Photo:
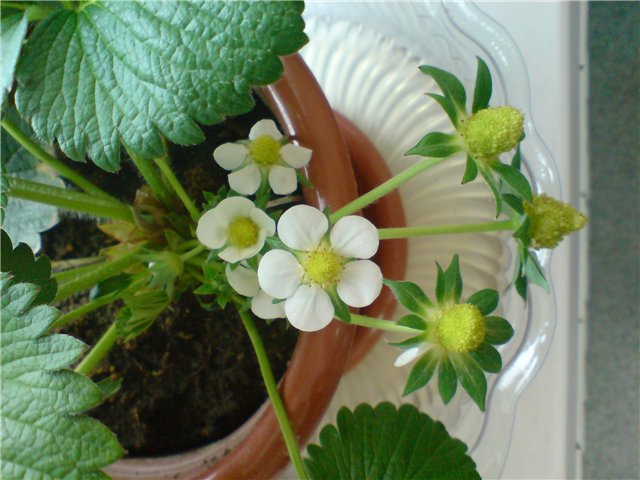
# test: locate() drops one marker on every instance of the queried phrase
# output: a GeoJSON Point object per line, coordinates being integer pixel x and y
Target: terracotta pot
{"type": "Point", "coordinates": [257, 450]}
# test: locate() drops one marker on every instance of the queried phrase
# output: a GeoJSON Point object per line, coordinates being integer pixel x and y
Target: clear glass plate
{"type": "Point", "coordinates": [365, 56]}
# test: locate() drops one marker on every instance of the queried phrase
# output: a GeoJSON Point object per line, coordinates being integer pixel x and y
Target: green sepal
{"type": "Point", "coordinates": [408, 342]}
{"type": "Point", "coordinates": [522, 233]}
{"type": "Point", "coordinates": [205, 289]}
{"type": "Point", "coordinates": [483, 87]}
{"type": "Point", "coordinates": [303, 180]}
{"type": "Point", "coordinates": [513, 202]}
{"type": "Point", "coordinates": [139, 312]}
{"type": "Point", "coordinates": [470, 170]}
{"type": "Point", "coordinates": [449, 282]}
{"type": "Point", "coordinates": [447, 380]}
{"type": "Point", "coordinates": [448, 106]}
{"type": "Point", "coordinates": [412, 321]}
{"type": "Point", "coordinates": [436, 145]}
{"type": "Point", "coordinates": [341, 309]}
{"type": "Point", "coordinates": [451, 87]}
{"type": "Point", "coordinates": [521, 285]}
{"type": "Point", "coordinates": [534, 272]}
{"type": "Point", "coordinates": [498, 331]}
{"type": "Point", "coordinates": [488, 178]}
{"type": "Point", "coordinates": [515, 179]}
{"type": "Point", "coordinates": [410, 296]}
{"type": "Point", "coordinates": [471, 378]}
{"type": "Point", "coordinates": [109, 387]}
{"type": "Point", "coordinates": [110, 286]}
{"type": "Point", "coordinates": [516, 161]}
{"type": "Point", "coordinates": [487, 357]}
{"type": "Point", "coordinates": [421, 372]}
{"type": "Point", "coordinates": [486, 300]}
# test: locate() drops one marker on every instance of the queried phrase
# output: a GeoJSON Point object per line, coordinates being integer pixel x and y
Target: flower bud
{"type": "Point", "coordinates": [551, 221]}
{"type": "Point", "coordinates": [492, 131]}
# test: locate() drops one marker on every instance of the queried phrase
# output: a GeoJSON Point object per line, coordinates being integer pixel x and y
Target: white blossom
{"type": "Point", "coordinates": [263, 158]}
{"type": "Point", "coordinates": [321, 263]}
{"type": "Point", "coordinates": [237, 226]}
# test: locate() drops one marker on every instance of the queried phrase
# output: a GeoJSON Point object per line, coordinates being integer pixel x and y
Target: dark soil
{"type": "Point", "coordinates": [192, 378]}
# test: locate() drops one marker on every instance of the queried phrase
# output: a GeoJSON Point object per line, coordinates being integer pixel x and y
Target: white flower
{"type": "Point", "coordinates": [409, 355]}
{"type": "Point", "coordinates": [263, 157]}
{"type": "Point", "coordinates": [245, 281]}
{"type": "Point", "coordinates": [320, 266]}
{"type": "Point", "coordinates": [238, 226]}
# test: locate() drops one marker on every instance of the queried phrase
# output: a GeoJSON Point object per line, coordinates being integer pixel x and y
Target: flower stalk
{"type": "Point", "coordinates": [37, 151]}
{"type": "Point", "coordinates": [408, 232]}
{"type": "Point", "coordinates": [276, 401]}
{"type": "Point", "coordinates": [97, 353]}
{"type": "Point", "coordinates": [168, 174]}
{"type": "Point", "coordinates": [384, 188]}
{"type": "Point", "coordinates": [152, 177]}
{"type": "Point", "coordinates": [69, 199]}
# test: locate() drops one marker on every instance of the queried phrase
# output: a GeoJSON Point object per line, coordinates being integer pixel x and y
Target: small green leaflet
{"type": "Point", "coordinates": [436, 145]}
{"type": "Point", "coordinates": [13, 29]}
{"type": "Point", "coordinates": [451, 87]}
{"type": "Point", "coordinates": [43, 435]}
{"type": "Point", "coordinates": [386, 442]}
{"type": "Point", "coordinates": [410, 296]}
{"type": "Point", "coordinates": [483, 87]}
{"type": "Point", "coordinates": [133, 72]}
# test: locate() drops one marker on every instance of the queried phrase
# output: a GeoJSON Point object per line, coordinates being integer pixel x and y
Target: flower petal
{"type": "Point", "coordinates": [243, 280]}
{"type": "Point", "coordinates": [302, 227]}
{"type": "Point", "coordinates": [262, 306]}
{"type": "Point", "coordinates": [265, 127]}
{"type": "Point", "coordinates": [354, 237]}
{"type": "Point", "coordinates": [282, 180]}
{"type": "Point", "coordinates": [246, 180]}
{"type": "Point", "coordinates": [309, 309]}
{"type": "Point", "coordinates": [295, 155]}
{"type": "Point", "coordinates": [230, 155]}
{"type": "Point", "coordinates": [360, 283]}
{"type": "Point", "coordinates": [263, 221]}
{"type": "Point", "coordinates": [234, 254]}
{"type": "Point", "coordinates": [409, 355]}
{"type": "Point", "coordinates": [234, 207]}
{"type": "Point", "coordinates": [279, 273]}
{"type": "Point", "coordinates": [212, 231]}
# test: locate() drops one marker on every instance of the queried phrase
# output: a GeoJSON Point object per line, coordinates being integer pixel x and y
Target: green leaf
{"type": "Point", "coordinates": [133, 72]}
{"type": "Point", "coordinates": [437, 145]}
{"type": "Point", "coordinates": [482, 90]}
{"type": "Point", "coordinates": [410, 296]}
{"type": "Point", "coordinates": [447, 380]}
{"type": "Point", "coordinates": [4, 199]}
{"type": "Point", "coordinates": [13, 29]}
{"type": "Point", "coordinates": [421, 372]}
{"type": "Point", "coordinates": [451, 87]}
{"type": "Point", "coordinates": [471, 378]}
{"type": "Point", "coordinates": [470, 170]}
{"type": "Point", "coordinates": [43, 435]}
{"type": "Point", "coordinates": [487, 357]}
{"type": "Point", "coordinates": [109, 387]}
{"type": "Point", "coordinates": [412, 321]}
{"type": "Point", "coordinates": [25, 267]}
{"type": "Point", "coordinates": [140, 311]}
{"type": "Point", "coordinates": [110, 286]}
{"type": "Point", "coordinates": [388, 443]}
{"type": "Point", "coordinates": [486, 300]}
{"type": "Point", "coordinates": [448, 106]}
{"type": "Point", "coordinates": [515, 179]}
{"type": "Point", "coordinates": [497, 330]}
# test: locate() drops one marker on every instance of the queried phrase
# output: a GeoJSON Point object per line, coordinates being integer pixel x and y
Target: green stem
{"type": "Point", "coordinates": [95, 275]}
{"type": "Point", "coordinates": [384, 188]}
{"type": "Point", "coordinates": [59, 166]}
{"type": "Point", "coordinates": [98, 351]}
{"type": "Point", "coordinates": [84, 309]}
{"type": "Point", "coordinates": [151, 176]}
{"type": "Point", "coordinates": [188, 245]}
{"type": "Point", "coordinates": [407, 232]}
{"type": "Point", "coordinates": [164, 167]}
{"type": "Point", "coordinates": [380, 324]}
{"type": "Point", "coordinates": [192, 253]}
{"type": "Point", "coordinates": [272, 389]}
{"type": "Point", "coordinates": [61, 265]}
{"type": "Point", "coordinates": [69, 199]}
{"type": "Point", "coordinates": [73, 273]}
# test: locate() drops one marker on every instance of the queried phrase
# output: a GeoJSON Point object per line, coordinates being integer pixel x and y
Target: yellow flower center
{"type": "Point", "coordinates": [243, 232]}
{"type": "Point", "coordinates": [492, 131]}
{"type": "Point", "coordinates": [323, 266]}
{"type": "Point", "coordinates": [551, 221]}
{"type": "Point", "coordinates": [265, 150]}
{"type": "Point", "coordinates": [460, 328]}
